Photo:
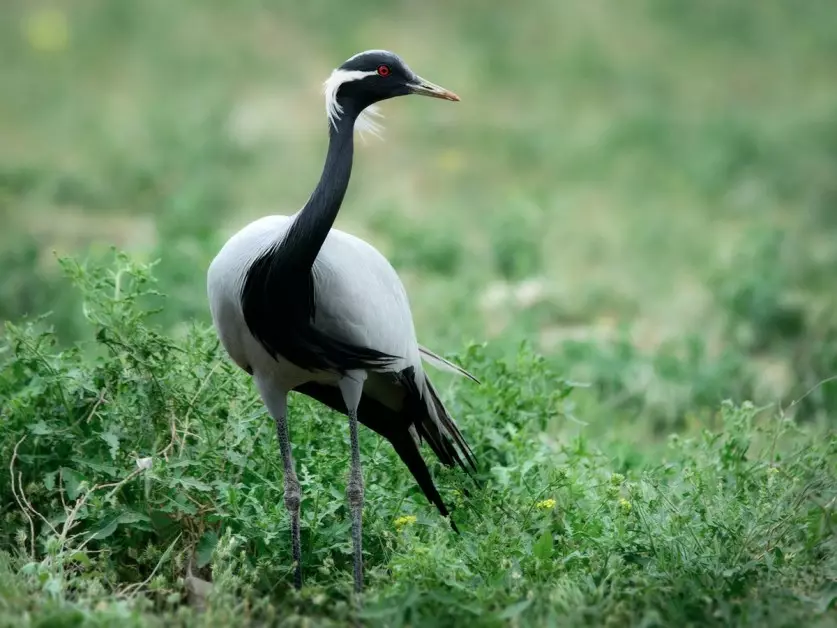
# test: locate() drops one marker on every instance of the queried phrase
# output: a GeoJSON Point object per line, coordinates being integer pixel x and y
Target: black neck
{"type": "Point", "coordinates": [278, 295]}
{"type": "Point", "coordinates": [311, 226]}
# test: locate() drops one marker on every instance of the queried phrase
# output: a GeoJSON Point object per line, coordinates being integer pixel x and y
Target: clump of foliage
{"type": "Point", "coordinates": [777, 304]}
{"type": "Point", "coordinates": [141, 467]}
{"type": "Point", "coordinates": [27, 290]}
{"type": "Point", "coordinates": [755, 297]}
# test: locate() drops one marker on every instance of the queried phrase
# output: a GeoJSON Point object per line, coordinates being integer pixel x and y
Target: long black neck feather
{"type": "Point", "coordinates": [278, 298]}
{"type": "Point", "coordinates": [311, 226]}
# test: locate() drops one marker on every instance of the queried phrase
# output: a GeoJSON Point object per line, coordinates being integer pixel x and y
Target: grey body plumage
{"type": "Point", "coordinates": [308, 308]}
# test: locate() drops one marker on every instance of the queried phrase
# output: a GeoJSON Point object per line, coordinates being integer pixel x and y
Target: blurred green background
{"type": "Point", "coordinates": [646, 190]}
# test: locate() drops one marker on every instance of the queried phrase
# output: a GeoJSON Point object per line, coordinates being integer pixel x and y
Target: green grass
{"type": "Point", "coordinates": [730, 523]}
{"type": "Point", "coordinates": [638, 197]}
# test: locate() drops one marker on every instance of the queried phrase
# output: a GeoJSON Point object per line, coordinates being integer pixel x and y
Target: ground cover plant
{"type": "Point", "coordinates": [625, 229]}
{"type": "Point", "coordinates": [139, 462]}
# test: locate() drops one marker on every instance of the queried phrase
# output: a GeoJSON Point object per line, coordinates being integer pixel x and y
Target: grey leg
{"type": "Point", "coordinates": [355, 493]}
{"type": "Point", "coordinates": [277, 404]}
{"type": "Point", "coordinates": [352, 387]}
{"type": "Point", "coordinates": [292, 496]}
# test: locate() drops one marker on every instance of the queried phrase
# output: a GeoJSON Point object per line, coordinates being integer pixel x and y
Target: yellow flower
{"type": "Point", "coordinates": [546, 504]}
{"type": "Point", "coordinates": [625, 506]}
{"type": "Point", "coordinates": [47, 30]}
{"type": "Point", "coordinates": [616, 479]}
{"type": "Point", "coordinates": [406, 520]}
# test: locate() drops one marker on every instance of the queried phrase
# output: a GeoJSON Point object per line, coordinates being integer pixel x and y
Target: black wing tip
{"type": "Point", "coordinates": [312, 350]}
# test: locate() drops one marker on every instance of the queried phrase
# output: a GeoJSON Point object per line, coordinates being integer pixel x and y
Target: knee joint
{"type": "Point", "coordinates": [292, 500]}
{"type": "Point", "coordinates": [355, 493]}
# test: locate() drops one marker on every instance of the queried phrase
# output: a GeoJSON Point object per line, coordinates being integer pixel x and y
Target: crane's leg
{"type": "Point", "coordinates": [351, 387]}
{"type": "Point", "coordinates": [277, 404]}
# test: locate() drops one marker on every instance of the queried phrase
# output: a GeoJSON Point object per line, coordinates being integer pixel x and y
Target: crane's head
{"type": "Point", "coordinates": [368, 78]}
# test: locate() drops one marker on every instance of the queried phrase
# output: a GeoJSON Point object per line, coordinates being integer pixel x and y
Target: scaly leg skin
{"type": "Point", "coordinates": [276, 401]}
{"type": "Point", "coordinates": [292, 496]}
{"type": "Point", "coordinates": [351, 387]}
{"type": "Point", "coordinates": [355, 494]}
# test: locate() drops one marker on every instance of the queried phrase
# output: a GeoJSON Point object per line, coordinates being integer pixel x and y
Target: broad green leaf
{"type": "Point", "coordinates": [543, 546]}
{"type": "Point", "coordinates": [205, 547]}
{"type": "Point", "coordinates": [514, 610]}
{"type": "Point", "coordinates": [194, 483]}
{"type": "Point", "coordinates": [81, 558]}
{"type": "Point", "coordinates": [112, 441]}
{"type": "Point", "coordinates": [40, 428]}
{"type": "Point", "coordinates": [96, 465]}
{"type": "Point", "coordinates": [72, 481]}
{"type": "Point", "coordinates": [109, 525]}
{"type": "Point", "coordinates": [181, 463]}
{"type": "Point", "coordinates": [133, 516]}
{"type": "Point", "coordinates": [106, 528]}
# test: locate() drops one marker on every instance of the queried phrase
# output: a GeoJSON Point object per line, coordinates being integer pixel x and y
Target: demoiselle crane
{"type": "Point", "coordinates": [307, 308]}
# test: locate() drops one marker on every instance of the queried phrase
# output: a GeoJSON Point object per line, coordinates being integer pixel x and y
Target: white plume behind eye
{"type": "Point", "coordinates": [365, 122]}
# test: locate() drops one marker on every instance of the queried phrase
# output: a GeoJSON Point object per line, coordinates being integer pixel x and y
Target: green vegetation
{"type": "Point", "coordinates": [732, 524]}
{"type": "Point", "coordinates": [634, 206]}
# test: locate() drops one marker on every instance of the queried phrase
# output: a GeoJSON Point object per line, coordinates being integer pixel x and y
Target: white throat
{"type": "Point", "coordinates": [365, 122]}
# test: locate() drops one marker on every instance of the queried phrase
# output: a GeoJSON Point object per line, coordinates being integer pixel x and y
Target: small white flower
{"type": "Point", "coordinates": [145, 463]}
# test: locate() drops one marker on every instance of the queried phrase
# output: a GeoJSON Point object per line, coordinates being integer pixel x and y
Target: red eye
{"type": "Point", "coordinates": [383, 70]}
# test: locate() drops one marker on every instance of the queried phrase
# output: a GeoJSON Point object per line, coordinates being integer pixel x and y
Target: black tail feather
{"type": "Point", "coordinates": [452, 430]}
{"type": "Point", "coordinates": [438, 436]}
{"type": "Point", "coordinates": [395, 427]}
{"type": "Point", "coordinates": [408, 451]}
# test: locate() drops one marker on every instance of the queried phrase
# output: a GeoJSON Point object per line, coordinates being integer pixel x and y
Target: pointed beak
{"type": "Point", "coordinates": [425, 88]}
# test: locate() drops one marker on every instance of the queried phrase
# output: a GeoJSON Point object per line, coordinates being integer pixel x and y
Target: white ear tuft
{"type": "Point", "coordinates": [365, 122]}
